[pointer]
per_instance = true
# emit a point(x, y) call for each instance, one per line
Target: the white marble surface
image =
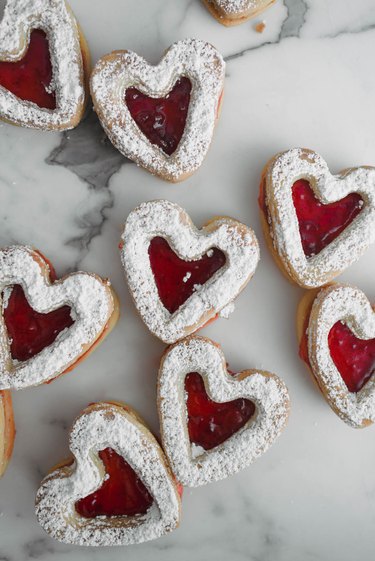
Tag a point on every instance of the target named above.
point(308, 80)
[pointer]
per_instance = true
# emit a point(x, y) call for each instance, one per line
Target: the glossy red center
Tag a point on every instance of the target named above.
point(320, 224)
point(211, 423)
point(121, 494)
point(161, 120)
point(176, 279)
point(30, 78)
point(29, 331)
point(354, 358)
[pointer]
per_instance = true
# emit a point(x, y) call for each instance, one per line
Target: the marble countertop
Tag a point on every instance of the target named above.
point(308, 80)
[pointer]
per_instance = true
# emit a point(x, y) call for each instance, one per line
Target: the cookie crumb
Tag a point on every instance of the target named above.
point(260, 26)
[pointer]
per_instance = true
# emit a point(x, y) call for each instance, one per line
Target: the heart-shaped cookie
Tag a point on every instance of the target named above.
point(337, 341)
point(233, 12)
point(7, 429)
point(46, 327)
point(163, 116)
point(107, 437)
point(43, 58)
point(316, 224)
point(257, 426)
point(181, 277)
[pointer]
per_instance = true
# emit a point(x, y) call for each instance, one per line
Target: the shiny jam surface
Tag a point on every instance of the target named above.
point(320, 224)
point(30, 78)
point(354, 358)
point(175, 278)
point(29, 331)
point(211, 423)
point(121, 494)
point(161, 120)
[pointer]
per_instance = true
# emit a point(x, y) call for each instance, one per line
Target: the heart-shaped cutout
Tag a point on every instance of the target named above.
point(7, 430)
point(335, 215)
point(29, 332)
point(338, 344)
point(320, 224)
point(43, 58)
point(221, 236)
point(121, 494)
point(163, 116)
point(256, 430)
point(234, 12)
point(46, 327)
point(161, 120)
point(30, 78)
point(354, 358)
point(110, 442)
point(176, 278)
point(211, 423)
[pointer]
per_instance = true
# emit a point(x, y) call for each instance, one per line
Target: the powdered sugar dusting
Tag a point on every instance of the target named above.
point(166, 219)
point(237, 11)
point(237, 7)
point(194, 59)
point(233, 6)
point(350, 305)
point(283, 171)
point(92, 305)
point(101, 426)
point(55, 18)
point(229, 309)
point(269, 394)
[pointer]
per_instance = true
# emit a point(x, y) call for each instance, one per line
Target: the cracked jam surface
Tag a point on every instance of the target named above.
point(320, 224)
point(31, 78)
point(121, 494)
point(161, 120)
point(175, 278)
point(211, 423)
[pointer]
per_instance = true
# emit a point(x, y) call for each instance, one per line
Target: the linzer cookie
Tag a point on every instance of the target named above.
point(47, 326)
point(315, 223)
point(43, 61)
point(233, 12)
point(118, 491)
point(163, 116)
point(336, 331)
point(7, 429)
point(180, 277)
point(214, 422)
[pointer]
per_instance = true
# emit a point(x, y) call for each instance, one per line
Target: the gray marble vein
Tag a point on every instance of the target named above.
point(291, 27)
point(40, 548)
point(297, 10)
point(87, 152)
point(353, 30)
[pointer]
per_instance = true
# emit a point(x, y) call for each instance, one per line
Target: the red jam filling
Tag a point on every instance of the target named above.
point(175, 278)
point(29, 331)
point(320, 224)
point(354, 358)
point(211, 423)
point(30, 78)
point(121, 494)
point(161, 120)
